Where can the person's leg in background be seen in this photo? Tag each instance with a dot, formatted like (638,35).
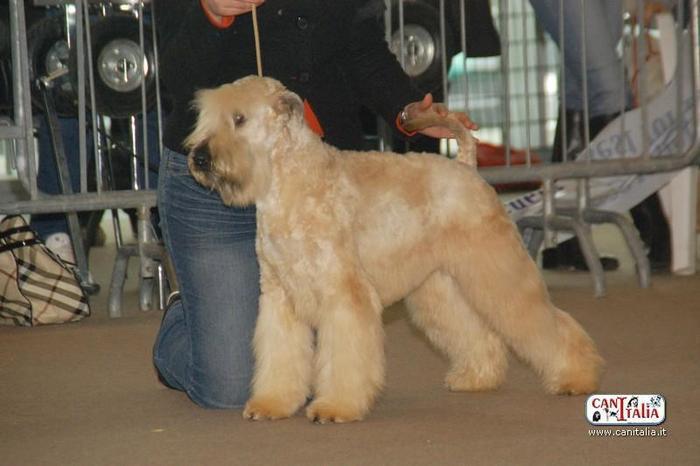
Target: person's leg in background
(153,160)
(204,343)
(655,232)
(608,94)
(591,22)
(53,228)
(648,216)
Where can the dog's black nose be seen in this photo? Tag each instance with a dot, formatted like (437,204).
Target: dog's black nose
(201,158)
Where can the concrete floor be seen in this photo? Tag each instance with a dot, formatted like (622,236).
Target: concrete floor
(86,393)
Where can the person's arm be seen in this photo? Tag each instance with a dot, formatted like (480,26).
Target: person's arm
(378,77)
(178,22)
(374,71)
(187,25)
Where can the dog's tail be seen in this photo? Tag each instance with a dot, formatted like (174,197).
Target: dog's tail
(465,140)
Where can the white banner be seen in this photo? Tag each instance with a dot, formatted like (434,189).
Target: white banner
(624,138)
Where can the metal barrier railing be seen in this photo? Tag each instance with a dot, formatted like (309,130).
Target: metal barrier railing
(522,86)
(658,135)
(77,16)
(19,130)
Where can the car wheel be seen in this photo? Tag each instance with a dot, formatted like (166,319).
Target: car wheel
(421,45)
(48,52)
(4,39)
(120,67)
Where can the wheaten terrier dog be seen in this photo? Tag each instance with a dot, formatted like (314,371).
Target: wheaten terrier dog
(341,235)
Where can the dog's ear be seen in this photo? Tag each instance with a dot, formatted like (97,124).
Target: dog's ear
(288,103)
(200,98)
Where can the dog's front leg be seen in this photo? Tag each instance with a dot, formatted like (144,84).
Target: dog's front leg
(283,355)
(350,351)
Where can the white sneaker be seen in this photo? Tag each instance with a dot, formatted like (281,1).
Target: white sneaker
(60,244)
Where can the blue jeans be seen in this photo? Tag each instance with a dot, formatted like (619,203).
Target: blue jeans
(204,343)
(604,67)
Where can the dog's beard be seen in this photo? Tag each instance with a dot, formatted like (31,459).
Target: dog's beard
(233,194)
(228,170)
(233,188)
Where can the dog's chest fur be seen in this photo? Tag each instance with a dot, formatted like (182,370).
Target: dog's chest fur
(298,236)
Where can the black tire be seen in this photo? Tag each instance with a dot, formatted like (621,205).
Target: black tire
(422,43)
(4,40)
(115,44)
(48,52)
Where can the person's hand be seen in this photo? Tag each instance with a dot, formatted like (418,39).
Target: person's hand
(651,9)
(221,8)
(427,105)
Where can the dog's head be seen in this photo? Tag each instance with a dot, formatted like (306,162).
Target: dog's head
(238,126)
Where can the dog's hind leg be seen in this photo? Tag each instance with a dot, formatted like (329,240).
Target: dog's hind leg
(283,355)
(350,350)
(478,357)
(505,287)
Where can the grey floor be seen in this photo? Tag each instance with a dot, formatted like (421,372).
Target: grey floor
(86,394)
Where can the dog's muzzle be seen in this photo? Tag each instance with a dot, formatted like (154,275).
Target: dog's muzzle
(201,159)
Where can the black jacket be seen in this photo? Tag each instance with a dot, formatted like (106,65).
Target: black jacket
(332,53)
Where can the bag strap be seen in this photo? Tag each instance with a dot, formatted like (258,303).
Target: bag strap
(19,244)
(11,231)
(8,224)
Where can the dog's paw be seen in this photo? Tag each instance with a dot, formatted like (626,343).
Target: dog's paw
(261,408)
(581,367)
(472,381)
(324,412)
(580,377)
(582,383)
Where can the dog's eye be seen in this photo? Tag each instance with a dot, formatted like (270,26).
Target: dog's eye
(238,119)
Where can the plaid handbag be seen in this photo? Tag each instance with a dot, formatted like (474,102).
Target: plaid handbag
(36,286)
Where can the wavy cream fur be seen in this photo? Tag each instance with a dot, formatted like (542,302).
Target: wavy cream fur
(342,235)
